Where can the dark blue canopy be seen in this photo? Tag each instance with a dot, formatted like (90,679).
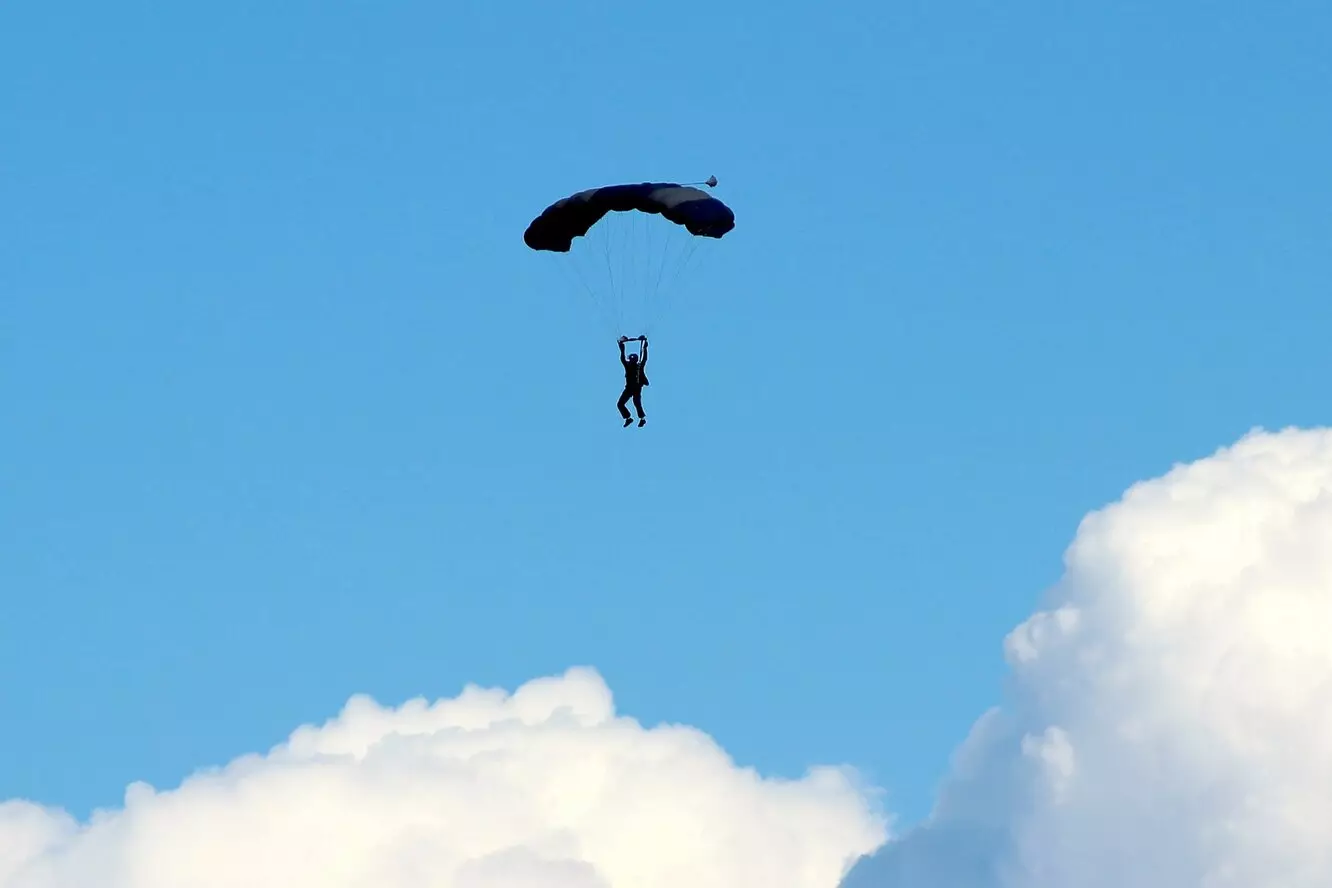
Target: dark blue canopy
(699,212)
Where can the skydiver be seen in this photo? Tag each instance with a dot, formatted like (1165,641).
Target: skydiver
(635,377)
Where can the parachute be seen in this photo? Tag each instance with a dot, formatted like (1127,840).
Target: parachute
(637,243)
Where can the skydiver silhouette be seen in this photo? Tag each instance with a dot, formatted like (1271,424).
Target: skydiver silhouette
(635,377)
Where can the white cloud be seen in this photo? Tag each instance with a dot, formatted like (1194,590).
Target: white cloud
(1168,724)
(544,788)
(1169,720)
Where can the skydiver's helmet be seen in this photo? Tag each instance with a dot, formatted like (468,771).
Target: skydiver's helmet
(633,359)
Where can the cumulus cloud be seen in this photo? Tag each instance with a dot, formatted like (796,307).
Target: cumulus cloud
(1169,717)
(1168,723)
(543,788)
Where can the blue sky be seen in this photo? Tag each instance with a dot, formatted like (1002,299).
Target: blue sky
(291,412)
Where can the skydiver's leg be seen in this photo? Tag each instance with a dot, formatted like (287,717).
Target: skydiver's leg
(638,405)
(624,399)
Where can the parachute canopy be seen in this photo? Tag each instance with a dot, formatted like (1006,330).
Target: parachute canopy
(636,243)
(698,212)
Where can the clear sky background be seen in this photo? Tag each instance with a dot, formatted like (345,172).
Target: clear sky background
(290,412)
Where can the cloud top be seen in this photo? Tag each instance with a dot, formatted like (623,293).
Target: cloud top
(1169,715)
(543,787)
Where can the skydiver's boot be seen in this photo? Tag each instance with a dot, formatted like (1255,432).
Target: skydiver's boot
(628,421)
(642,421)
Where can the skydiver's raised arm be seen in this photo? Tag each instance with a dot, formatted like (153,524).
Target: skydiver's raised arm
(642,352)
(622,358)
